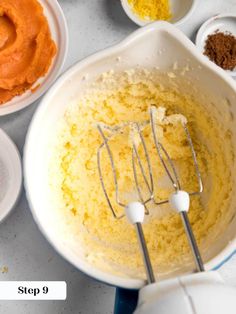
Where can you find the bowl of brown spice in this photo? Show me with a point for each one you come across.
(216, 39)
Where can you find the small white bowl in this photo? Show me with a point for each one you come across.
(10, 175)
(223, 23)
(59, 32)
(180, 10)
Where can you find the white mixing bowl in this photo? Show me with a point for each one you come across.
(157, 45)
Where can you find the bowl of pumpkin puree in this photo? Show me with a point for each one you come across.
(33, 47)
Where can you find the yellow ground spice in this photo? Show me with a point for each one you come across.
(151, 9)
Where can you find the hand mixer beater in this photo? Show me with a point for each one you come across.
(143, 171)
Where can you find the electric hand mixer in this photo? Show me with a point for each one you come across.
(187, 294)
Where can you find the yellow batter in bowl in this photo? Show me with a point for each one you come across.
(112, 244)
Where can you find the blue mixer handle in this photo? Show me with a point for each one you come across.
(125, 301)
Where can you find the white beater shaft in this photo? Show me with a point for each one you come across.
(180, 202)
(135, 213)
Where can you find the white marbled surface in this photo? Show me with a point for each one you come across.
(93, 25)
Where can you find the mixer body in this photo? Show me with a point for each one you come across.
(200, 293)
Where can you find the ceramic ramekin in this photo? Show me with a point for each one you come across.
(181, 10)
(156, 45)
(59, 31)
(225, 23)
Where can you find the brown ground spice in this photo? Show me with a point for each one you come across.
(221, 49)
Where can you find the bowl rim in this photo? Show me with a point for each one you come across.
(102, 276)
(11, 106)
(14, 159)
(140, 22)
(203, 28)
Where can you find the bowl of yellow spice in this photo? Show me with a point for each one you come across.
(143, 12)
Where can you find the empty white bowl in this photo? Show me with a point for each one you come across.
(222, 23)
(10, 175)
(180, 10)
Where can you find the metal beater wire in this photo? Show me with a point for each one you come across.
(136, 156)
(198, 173)
(105, 144)
(148, 179)
(159, 147)
(184, 215)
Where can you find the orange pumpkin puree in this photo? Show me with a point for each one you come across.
(26, 46)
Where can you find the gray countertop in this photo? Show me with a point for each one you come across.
(93, 25)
